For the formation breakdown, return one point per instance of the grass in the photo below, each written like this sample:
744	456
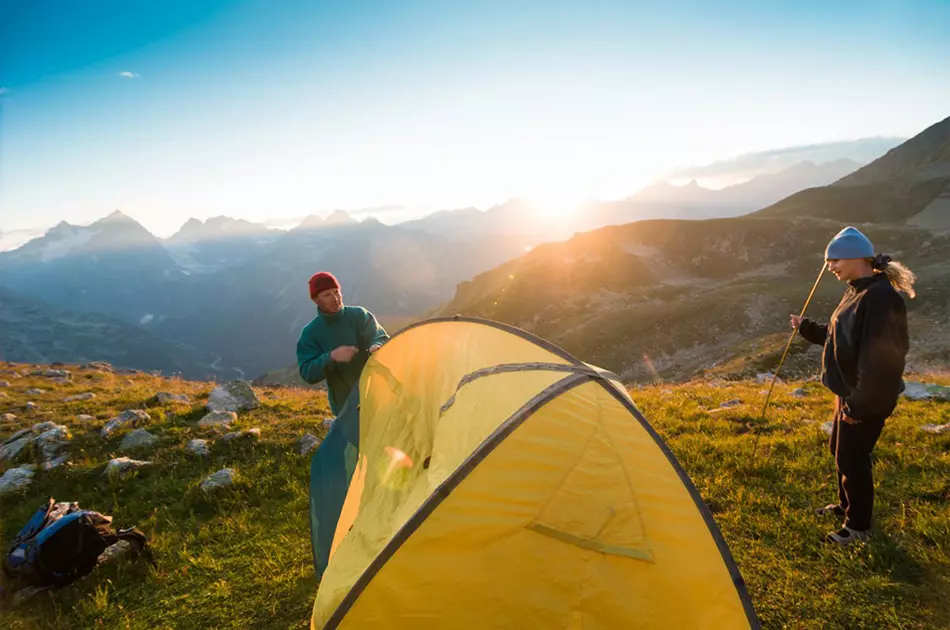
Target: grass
240	558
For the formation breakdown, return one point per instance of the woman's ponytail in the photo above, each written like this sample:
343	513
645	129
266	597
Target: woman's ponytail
900	277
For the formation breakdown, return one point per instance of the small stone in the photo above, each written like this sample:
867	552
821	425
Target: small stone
936	428
17	478
198	447
307	443
251	433
34	391
4	383
77	397
124	464
30	406
133	417
164	398
116	552
224	477
233	396
327	423
99	366
799	393
828	427
56	462
218	419
65	374
735	402
8	417
139	438
85	417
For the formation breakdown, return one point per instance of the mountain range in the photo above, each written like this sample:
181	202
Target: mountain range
230	295
674	298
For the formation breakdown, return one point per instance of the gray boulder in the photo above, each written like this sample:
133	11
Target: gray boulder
129	417
307	443
140	438
17	478
164	398
254	433
121	465
233	396
926	391
198	447
220	479
78	397
218	419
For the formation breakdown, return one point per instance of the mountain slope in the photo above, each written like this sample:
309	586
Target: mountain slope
925	156
673	298
33	331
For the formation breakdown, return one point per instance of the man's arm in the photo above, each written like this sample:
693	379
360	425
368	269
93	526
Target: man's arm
312	362
375	334
881	355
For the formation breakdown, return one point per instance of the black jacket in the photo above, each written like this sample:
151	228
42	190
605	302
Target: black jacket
865	348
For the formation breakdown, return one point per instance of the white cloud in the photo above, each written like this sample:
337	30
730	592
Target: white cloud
128	75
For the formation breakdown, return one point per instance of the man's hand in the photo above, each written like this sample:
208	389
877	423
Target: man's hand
373	348
796	320
846	418
344	354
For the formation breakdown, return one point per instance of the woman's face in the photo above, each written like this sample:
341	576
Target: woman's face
847	269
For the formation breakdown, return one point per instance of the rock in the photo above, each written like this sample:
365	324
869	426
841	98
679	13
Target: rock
140	438
77	397
40	427
925	391
163	398
233	396
198	447
936	428
56	374
4	383
327	423
30	406
18	435
133	417
56	462
124	370
51	441
34	391
827	427
307	443
218	419
251	433
117	551
8	417
99	366
224	477
17	478
13	447
85	417
122	465
735	402
799	393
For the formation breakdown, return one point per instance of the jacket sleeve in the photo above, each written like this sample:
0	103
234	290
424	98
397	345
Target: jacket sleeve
372	333
312	362
813	331
882	350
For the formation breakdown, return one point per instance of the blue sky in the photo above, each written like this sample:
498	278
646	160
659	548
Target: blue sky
278	109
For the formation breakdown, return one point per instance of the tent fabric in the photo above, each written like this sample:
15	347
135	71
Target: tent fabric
495	481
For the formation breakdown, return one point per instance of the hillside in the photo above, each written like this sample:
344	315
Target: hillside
239	557
676	298
36	332
925	156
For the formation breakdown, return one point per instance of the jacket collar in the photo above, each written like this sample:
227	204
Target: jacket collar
863	283
331	317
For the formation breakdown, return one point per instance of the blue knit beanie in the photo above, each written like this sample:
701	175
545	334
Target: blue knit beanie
849	243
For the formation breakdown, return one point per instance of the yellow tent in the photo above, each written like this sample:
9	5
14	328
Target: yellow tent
480	477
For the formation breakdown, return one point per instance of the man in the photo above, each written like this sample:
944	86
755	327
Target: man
336	344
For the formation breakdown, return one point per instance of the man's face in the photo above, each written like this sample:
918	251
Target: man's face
329	300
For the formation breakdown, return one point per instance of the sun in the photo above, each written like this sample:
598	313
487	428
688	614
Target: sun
557	207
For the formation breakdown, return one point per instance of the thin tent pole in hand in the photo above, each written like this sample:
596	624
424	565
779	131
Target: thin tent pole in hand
792	338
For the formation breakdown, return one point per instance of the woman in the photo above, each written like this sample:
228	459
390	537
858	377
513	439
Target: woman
865	346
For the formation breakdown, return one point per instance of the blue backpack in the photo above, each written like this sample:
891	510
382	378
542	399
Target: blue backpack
61	543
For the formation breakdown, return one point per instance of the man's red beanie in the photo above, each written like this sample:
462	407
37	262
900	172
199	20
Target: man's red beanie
321	281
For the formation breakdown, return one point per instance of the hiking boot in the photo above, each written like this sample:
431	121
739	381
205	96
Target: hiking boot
845	536
831	508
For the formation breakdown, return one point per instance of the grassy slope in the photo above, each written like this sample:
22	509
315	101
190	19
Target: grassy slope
241	558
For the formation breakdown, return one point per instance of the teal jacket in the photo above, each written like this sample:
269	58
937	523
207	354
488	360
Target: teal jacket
350	326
